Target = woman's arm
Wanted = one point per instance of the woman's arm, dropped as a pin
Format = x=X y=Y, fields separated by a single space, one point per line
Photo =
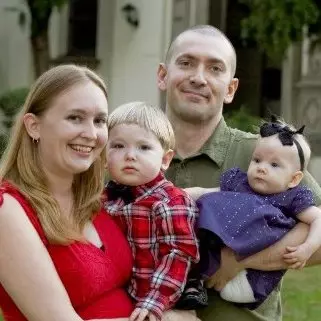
x=26 y=270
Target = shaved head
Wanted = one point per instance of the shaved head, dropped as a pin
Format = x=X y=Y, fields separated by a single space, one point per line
x=205 y=30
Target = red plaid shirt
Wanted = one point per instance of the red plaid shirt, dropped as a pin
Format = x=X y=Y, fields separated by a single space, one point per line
x=160 y=229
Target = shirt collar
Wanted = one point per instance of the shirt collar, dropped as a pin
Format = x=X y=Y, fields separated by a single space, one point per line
x=150 y=186
x=216 y=146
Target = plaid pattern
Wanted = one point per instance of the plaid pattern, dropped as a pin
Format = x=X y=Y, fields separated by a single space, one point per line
x=159 y=226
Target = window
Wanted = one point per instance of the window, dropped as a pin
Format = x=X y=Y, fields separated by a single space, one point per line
x=82 y=27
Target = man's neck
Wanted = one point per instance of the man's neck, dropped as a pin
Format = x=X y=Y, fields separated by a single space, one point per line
x=190 y=137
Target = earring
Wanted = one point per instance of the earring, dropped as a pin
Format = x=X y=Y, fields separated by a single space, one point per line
x=35 y=141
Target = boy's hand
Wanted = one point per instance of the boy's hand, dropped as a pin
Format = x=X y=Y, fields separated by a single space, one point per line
x=141 y=315
x=297 y=256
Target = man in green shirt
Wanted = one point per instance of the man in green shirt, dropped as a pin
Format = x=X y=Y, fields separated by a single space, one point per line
x=199 y=78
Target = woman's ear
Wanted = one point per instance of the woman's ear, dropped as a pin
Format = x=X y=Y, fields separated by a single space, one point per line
x=31 y=122
x=296 y=179
x=167 y=158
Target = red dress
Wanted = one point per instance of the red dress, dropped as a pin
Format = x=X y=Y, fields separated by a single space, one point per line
x=95 y=279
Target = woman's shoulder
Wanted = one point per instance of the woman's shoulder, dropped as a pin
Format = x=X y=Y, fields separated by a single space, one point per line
x=9 y=195
x=14 y=204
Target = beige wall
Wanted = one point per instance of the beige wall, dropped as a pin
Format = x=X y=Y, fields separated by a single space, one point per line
x=128 y=57
x=15 y=55
x=16 y=69
x=136 y=52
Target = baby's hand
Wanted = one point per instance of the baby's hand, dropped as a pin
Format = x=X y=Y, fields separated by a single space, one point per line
x=141 y=314
x=297 y=256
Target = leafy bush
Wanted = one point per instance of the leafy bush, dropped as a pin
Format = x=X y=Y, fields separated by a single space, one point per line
x=10 y=104
x=243 y=119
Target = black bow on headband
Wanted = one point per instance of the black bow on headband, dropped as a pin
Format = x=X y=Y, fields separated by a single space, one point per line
x=285 y=134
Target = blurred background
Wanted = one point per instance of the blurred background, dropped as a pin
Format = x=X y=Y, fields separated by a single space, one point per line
x=279 y=66
x=277 y=45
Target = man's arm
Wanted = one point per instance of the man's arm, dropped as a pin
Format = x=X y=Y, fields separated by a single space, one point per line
x=269 y=259
x=272 y=258
x=196 y=192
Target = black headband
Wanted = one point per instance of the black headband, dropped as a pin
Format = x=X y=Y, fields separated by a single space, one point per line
x=285 y=134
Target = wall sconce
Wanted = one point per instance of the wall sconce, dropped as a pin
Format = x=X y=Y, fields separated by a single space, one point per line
x=131 y=14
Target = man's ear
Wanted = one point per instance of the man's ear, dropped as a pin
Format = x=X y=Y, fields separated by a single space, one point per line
x=167 y=158
x=296 y=179
x=162 y=77
x=232 y=87
x=32 y=124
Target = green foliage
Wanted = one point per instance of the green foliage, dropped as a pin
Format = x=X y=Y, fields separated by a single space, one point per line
x=275 y=24
x=243 y=119
x=10 y=104
x=42 y=5
x=301 y=295
x=40 y=11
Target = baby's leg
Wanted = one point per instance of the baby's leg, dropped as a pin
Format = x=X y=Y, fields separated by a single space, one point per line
x=238 y=290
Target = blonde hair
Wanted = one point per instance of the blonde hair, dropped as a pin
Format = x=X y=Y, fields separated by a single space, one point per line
x=146 y=116
x=22 y=167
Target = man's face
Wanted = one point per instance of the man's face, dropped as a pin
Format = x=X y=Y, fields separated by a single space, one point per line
x=198 y=78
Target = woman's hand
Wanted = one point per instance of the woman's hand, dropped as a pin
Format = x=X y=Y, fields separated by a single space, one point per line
x=229 y=268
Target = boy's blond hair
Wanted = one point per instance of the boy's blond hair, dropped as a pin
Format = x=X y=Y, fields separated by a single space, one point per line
x=146 y=116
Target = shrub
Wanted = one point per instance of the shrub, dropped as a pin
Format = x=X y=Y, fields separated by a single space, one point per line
x=10 y=104
x=243 y=119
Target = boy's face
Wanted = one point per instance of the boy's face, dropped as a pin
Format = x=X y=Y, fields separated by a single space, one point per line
x=273 y=166
x=135 y=155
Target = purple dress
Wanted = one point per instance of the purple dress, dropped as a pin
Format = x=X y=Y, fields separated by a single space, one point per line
x=247 y=223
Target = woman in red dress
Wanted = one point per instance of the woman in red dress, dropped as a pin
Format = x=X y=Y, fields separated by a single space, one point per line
x=61 y=257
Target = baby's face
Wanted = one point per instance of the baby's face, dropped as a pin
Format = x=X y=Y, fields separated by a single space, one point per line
x=272 y=166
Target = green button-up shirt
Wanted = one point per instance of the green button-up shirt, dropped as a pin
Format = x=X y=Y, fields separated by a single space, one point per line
x=227 y=148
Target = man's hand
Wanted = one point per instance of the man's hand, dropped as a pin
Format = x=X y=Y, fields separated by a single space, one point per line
x=180 y=315
x=297 y=256
x=229 y=268
x=142 y=314
x=196 y=192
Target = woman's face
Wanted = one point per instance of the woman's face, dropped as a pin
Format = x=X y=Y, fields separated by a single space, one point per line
x=73 y=131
